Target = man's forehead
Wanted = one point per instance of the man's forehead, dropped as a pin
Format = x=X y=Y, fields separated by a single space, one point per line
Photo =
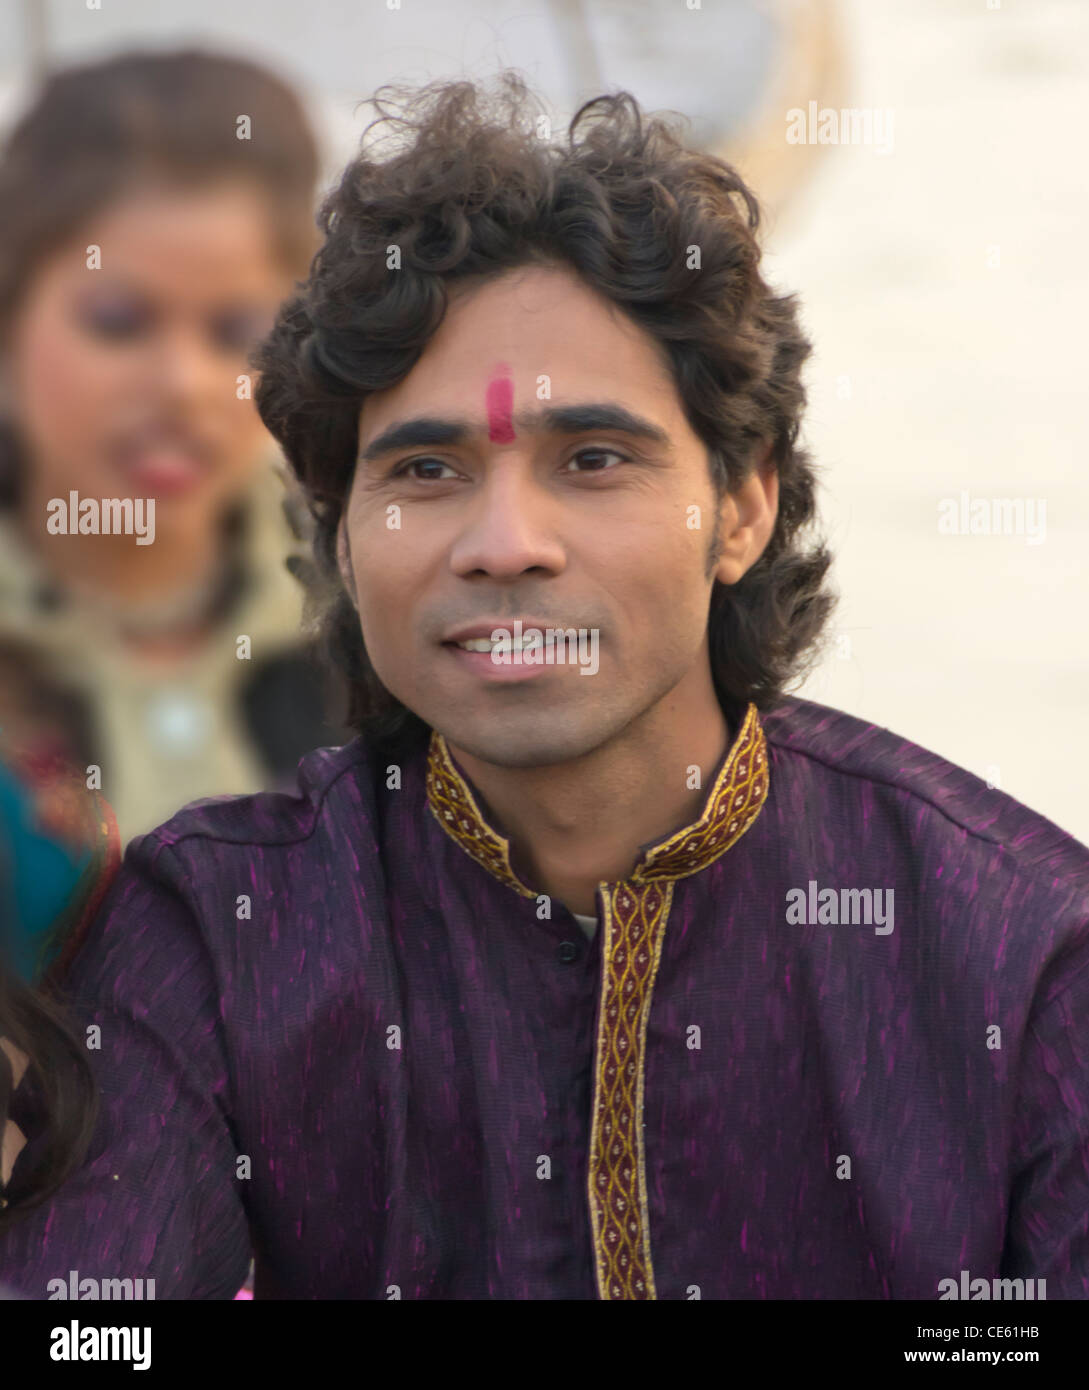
x=536 y=313
x=577 y=417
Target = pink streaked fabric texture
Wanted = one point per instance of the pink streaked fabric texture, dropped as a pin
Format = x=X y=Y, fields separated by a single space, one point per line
x=395 y=1041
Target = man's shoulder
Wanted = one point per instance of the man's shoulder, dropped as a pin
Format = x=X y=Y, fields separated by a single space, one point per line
x=333 y=782
x=948 y=799
x=287 y=857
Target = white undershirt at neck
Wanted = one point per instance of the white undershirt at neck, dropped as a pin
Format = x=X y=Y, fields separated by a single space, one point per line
x=588 y=924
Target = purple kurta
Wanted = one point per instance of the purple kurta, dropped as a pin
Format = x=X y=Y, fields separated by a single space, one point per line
x=829 y=1041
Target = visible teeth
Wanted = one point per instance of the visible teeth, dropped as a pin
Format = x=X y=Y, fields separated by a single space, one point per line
x=485 y=644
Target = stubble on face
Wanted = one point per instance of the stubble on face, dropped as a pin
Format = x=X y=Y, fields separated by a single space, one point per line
x=522 y=529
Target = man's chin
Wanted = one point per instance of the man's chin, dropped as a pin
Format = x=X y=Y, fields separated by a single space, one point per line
x=538 y=741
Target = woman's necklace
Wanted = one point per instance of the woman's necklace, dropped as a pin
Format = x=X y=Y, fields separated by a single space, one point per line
x=146 y=619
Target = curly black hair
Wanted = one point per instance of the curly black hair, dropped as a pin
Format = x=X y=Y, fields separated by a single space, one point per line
x=468 y=184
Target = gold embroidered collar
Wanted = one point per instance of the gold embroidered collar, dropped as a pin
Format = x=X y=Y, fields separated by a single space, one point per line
x=733 y=803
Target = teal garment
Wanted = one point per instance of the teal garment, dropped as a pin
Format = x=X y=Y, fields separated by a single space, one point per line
x=38 y=876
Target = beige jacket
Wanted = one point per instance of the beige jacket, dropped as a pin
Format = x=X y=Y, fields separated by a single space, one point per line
x=165 y=738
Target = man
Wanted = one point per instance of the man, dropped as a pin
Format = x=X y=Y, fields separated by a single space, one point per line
x=596 y=967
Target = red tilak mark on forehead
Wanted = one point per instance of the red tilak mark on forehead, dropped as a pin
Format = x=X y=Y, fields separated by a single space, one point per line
x=499 y=399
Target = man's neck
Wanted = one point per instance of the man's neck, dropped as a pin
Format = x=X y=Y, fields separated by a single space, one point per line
x=574 y=825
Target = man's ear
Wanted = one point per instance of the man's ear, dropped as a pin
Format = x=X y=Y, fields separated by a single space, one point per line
x=747 y=516
x=344 y=562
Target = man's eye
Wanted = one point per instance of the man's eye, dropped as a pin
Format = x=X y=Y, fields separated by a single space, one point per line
x=593 y=456
x=598 y=454
x=404 y=470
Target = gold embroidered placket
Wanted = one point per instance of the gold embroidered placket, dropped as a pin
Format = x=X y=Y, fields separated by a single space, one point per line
x=634 y=917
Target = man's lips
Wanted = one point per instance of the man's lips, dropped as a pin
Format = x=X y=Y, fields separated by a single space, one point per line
x=484 y=665
x=486 y=626
x=515 y=661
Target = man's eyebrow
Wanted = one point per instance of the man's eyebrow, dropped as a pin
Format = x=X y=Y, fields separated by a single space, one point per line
x=421 y=430
x=424 y=430
x=582 y=419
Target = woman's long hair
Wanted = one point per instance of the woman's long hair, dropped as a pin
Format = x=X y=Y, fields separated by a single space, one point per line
x=61 y=1094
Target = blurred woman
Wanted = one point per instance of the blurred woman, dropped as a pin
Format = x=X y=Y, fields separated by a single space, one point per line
x=56 y=864
x=157 y=208
x=59 y=851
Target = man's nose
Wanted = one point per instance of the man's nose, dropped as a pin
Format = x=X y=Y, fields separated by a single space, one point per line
x=511 y=526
